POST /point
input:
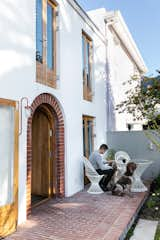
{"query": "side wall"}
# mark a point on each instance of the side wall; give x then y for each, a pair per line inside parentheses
(137, 145)
(71, 89)
(121, 68)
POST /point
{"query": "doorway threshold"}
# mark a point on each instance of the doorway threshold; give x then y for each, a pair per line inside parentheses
(37, 200)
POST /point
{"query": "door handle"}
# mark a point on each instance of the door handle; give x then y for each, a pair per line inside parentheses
(51, 154)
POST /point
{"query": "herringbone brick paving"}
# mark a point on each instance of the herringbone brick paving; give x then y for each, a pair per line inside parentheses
(83, 216)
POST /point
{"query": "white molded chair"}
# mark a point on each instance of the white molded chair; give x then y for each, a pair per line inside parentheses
(121, 159)
(93, 176)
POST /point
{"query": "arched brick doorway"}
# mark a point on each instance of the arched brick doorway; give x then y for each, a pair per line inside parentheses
(52, 103)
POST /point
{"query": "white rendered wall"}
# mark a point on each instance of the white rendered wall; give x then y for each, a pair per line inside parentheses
(121, 69)
(18, 79)
(138, 146)
(17, 71)
(72, 92)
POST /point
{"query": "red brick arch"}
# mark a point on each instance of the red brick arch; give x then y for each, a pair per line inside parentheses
(46, 98)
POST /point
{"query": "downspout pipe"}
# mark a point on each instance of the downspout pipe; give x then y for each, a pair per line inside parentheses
(107, 23)
(107, 78)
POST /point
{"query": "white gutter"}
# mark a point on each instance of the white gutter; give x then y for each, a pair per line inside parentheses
(115, 19)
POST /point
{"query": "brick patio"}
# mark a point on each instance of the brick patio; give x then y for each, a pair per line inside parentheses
(83, 216)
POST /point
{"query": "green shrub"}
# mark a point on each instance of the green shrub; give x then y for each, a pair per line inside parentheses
(151, 203)
(157, 236)
(110, 154)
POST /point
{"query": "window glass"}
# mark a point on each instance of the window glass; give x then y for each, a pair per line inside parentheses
(39, 35)
(88, 65)
(86, 61)
(6, 154)
(84, 151)
(87, 57)
(50, 12)
(83, 55)
(90, 137)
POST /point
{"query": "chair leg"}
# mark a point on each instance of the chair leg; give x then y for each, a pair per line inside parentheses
(95, 188)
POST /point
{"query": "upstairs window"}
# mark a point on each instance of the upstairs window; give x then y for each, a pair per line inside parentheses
(46, 42)
(87, 54)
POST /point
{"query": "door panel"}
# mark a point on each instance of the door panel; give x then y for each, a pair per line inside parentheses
(41, 161)
(8, 167)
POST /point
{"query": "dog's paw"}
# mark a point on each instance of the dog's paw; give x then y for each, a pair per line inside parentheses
(130, 194)
(118, 193)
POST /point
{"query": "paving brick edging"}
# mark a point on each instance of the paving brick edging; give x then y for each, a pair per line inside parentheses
(124, 234)
(50, 100)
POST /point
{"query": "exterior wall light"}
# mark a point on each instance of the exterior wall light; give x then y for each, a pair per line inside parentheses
(27, 111)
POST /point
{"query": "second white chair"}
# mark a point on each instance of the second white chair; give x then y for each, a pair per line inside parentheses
(121, 159)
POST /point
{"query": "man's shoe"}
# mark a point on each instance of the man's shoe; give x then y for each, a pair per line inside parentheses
(104, 188)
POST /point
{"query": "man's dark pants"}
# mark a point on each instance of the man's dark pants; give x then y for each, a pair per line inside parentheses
(108, 173)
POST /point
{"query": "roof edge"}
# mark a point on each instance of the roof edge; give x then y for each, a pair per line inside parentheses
(115, 19)
(76, 6)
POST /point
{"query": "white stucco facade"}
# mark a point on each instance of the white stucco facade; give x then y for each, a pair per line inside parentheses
(18, 79)
(124, 61)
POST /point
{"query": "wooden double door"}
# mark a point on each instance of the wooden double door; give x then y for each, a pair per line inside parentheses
(43, 153)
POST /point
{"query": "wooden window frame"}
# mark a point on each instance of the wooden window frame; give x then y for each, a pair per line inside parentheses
(87, 92)
(44, 75)
(86, 119)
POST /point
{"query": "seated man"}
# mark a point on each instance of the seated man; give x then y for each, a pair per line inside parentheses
(101, 166)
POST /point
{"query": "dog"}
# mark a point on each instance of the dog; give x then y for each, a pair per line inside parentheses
(123, 185)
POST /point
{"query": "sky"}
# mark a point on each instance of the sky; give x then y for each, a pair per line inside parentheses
(143, 20)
